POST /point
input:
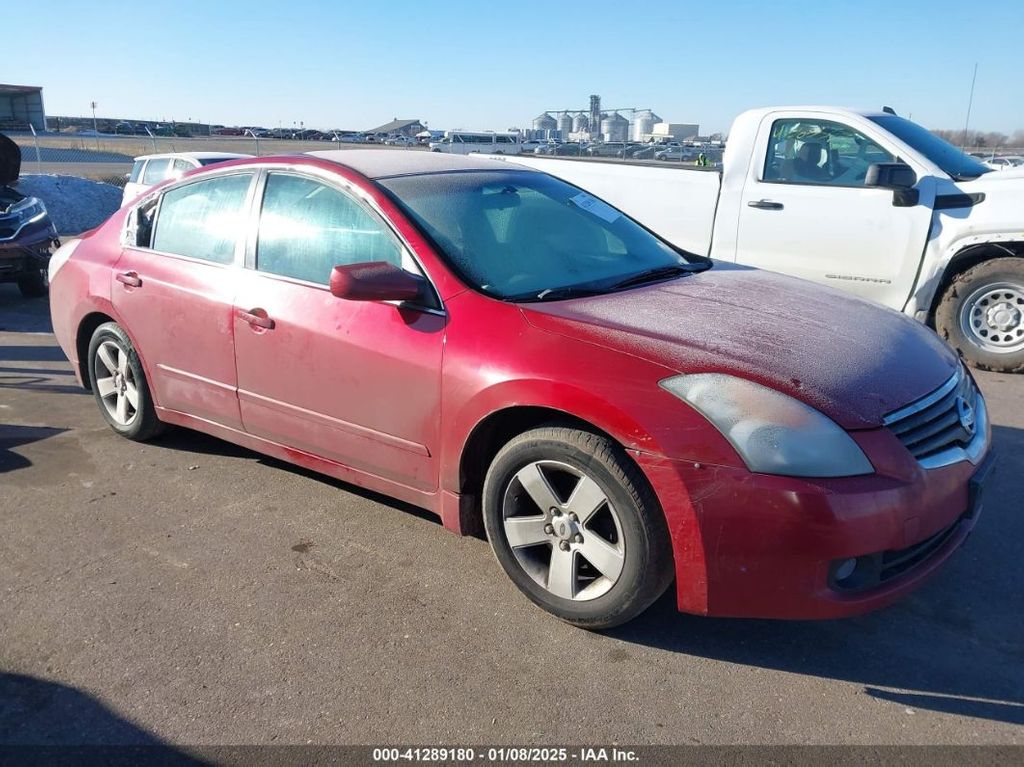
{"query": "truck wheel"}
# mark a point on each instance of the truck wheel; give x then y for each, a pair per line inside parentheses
(33, 284)
(981, 314)
(576, 527)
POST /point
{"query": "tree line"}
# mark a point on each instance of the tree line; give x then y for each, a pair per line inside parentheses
(982, 139)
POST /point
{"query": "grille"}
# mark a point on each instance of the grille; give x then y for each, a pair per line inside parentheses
(944, 419)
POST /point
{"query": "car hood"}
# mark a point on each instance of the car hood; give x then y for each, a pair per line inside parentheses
(10, 161)
(853, 360)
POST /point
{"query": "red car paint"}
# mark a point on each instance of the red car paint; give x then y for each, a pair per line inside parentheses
(393, 399)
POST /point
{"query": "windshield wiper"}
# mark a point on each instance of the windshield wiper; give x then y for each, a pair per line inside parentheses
(555, 294)
(660, 273)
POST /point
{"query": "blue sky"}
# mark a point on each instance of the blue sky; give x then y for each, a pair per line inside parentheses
(497, 65)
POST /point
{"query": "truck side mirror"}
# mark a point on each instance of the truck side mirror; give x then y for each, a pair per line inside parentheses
(897, 176)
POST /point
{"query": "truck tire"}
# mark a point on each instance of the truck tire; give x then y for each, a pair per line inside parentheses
(33, 284)
(981, 315)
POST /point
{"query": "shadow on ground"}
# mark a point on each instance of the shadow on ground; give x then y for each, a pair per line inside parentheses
(34, 713)
(12, 436)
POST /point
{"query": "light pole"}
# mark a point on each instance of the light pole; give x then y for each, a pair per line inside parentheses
(95, 129)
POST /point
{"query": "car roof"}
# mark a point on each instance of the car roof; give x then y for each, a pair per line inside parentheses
(194, 156)
(382, 163)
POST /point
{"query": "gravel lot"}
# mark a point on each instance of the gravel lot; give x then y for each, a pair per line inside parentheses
(189, 591)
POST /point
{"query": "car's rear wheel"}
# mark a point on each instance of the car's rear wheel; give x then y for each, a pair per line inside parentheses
(981, 314)
(577, 528)
(119, 384)
(33, 284)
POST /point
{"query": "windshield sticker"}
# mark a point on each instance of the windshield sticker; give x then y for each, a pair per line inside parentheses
(602, 210)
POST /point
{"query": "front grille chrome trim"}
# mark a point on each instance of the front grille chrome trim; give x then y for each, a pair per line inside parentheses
(923, 429)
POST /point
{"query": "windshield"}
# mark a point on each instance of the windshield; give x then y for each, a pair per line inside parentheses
(526, 236)
(954, 162)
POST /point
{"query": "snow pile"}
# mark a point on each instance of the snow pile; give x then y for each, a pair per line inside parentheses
(75, 204)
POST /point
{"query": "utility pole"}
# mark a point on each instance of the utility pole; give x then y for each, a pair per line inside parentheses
(95, 129)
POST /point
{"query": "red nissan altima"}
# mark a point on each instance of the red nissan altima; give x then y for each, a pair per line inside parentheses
(520, 358)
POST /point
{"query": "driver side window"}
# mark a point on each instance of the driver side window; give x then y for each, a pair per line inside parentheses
(820, 152)
(307, 228)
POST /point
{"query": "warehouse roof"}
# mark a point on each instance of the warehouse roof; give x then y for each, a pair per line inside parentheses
(394, 125)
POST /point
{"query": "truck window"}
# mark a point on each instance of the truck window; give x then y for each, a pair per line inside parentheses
(802, 151)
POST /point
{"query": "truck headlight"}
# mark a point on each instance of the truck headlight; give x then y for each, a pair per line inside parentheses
(772, 432)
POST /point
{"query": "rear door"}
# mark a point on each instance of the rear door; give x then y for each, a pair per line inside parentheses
(173, 289)
(804, 210)
(356, 382)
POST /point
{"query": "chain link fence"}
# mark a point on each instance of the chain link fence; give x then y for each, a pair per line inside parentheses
(109, 158)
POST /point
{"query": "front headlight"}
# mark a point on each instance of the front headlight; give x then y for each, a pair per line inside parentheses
(773, 433)
(29, 210)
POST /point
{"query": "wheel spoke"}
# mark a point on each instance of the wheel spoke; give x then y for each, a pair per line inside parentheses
(525, 531)
(122, 362)
(107, 358)
(562, 573)
(132, 395)
(536, 486)
(602, 555)
(587, 497)
(105, 387)
(122, 408)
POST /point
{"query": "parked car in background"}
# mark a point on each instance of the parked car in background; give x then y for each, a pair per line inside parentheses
(152, 169)
(400, 141)
(27, 235)
(1004, 162)
(677, 153)
(866, 201)
(608, 149)
(561, 150)
(519, 356)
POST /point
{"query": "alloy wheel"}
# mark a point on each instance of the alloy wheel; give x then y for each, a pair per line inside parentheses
(118, 390)
(563, 530)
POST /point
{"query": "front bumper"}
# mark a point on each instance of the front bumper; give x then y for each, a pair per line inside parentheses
(759, 546)
(28, 251)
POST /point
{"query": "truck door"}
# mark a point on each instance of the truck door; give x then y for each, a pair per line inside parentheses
(805, 211)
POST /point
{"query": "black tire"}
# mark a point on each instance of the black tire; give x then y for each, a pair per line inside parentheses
(144, 424)
(961, 294)
(647, 567)
(33, 284)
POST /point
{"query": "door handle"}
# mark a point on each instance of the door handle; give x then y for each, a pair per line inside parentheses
(257, 320)
(131, 279)
(765, 205)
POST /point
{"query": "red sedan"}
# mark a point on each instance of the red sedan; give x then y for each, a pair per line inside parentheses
(520, 358)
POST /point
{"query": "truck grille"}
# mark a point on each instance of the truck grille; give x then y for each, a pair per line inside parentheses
(944, 419)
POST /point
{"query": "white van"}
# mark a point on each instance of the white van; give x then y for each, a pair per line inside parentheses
(465, 142)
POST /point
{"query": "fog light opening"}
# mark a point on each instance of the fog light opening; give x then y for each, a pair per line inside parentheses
(845, 569)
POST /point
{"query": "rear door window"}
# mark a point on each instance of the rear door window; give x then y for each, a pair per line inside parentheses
(136, 171)
(156, 171)
(205, 219)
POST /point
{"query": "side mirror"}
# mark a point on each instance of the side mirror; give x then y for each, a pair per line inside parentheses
(374, 281)
(897, 176)
(890, 175)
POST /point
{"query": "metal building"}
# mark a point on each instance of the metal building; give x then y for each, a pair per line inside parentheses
(615, 127)
(565, 124)
(580, 123)
(545, 122)
(643, 124)
(20, 107)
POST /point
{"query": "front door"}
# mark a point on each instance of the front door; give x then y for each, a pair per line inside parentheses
(356, 382)
(805, 211)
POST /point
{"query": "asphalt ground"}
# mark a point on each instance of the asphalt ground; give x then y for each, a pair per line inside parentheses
(191, 592)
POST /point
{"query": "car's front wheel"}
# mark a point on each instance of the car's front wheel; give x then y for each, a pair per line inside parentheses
(577, 528)
(119, 384)
(981, 314)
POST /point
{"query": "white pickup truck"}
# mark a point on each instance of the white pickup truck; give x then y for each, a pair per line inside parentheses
(865, 201)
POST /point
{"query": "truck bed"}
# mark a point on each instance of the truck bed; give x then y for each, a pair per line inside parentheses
(678, 201)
